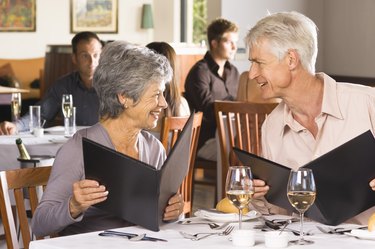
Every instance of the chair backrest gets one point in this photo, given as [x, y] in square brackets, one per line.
[25, 180]
[242, 129]
[171, 129]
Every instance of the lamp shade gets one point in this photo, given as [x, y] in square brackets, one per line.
[147, 20]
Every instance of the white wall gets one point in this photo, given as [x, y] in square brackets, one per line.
[349, 37]
[250, 11]
[346, 35]
[53, 27]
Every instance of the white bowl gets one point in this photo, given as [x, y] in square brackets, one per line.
[243, 237]
[275, 239]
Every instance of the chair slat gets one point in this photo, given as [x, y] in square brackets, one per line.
[243, 131]
[20, 180]
[171, 129]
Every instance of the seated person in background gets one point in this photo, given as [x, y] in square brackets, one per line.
[213, 78]
[130, 82]
[249, 91]
[86, 52]
[177, 104]
[316, 114]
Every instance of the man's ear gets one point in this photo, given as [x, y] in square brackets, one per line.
[214, 44]
[74, 59]
[292, 59]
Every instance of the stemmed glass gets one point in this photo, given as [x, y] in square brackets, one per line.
[16, 106]
[239, 188]
[67, 109]
[301, 195]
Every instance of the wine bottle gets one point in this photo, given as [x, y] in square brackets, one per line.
[22, 149]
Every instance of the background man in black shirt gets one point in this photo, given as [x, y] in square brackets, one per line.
[86, 53]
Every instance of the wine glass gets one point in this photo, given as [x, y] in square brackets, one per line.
[16, 106]
[239, 188]
[301, 195]
[67, 108]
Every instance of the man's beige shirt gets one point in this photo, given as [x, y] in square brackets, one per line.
[348, 110]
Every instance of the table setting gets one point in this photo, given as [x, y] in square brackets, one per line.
[232, 224]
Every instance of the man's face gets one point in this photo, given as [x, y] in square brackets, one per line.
[227, 46]
[87, 57]
[271, 72]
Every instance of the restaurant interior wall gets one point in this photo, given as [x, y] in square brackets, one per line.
[346, 38]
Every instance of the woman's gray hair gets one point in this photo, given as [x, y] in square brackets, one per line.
[285, 31]
[127, 69]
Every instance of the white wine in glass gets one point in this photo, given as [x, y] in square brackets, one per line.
[239, 188]
[301, 195]
[16, 106]
[67, 108]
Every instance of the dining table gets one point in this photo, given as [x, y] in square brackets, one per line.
[43, 147]
[171, 232]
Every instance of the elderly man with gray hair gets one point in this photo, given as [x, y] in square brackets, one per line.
[316, 114]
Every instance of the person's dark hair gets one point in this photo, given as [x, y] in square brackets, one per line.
[128, 70]
[86, 36]
[172, 90]
[218, 28]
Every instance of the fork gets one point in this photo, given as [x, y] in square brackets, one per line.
[211, 225]
[196, 237]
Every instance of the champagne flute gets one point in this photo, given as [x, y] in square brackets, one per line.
[301, 193]
[16, 106]
[67, 108]
[239, 188]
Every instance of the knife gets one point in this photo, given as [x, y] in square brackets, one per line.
[129, 235]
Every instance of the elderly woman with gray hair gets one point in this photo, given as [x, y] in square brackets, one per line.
[129, 81]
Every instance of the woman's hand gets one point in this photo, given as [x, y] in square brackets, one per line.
[85, 194]
[260, 188]
[372, 184]
[174, 208]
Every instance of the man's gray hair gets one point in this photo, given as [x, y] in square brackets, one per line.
[285, 31]
[127, 69]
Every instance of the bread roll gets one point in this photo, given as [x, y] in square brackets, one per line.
[371, 223]
[227, 207]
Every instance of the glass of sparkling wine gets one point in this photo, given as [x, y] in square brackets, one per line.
[239, 188]
[301, 195]
[16, 106]
[67, 108]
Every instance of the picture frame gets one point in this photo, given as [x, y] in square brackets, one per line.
[18, 16]
[95, 16]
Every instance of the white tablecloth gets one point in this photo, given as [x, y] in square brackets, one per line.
[48, 145]
[175, 240]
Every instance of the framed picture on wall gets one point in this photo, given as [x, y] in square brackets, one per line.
[94, 15]
[18, 16]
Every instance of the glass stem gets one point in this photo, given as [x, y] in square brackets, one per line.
[240, 218]
[301, 230]
[66, 126]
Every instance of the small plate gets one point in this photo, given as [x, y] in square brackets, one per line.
[214, 216]
[362, 234]
[35, 158]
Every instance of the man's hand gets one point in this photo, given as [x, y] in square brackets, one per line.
[260, 188]
[85, 194]
[174, 208]
[8, 128]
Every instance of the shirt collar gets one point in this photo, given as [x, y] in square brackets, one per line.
[214, 67]
[330, 105]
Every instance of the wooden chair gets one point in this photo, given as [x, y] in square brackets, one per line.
[20, 180]
[171, 129]
[239, 124]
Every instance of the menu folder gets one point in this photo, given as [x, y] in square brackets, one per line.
[341, 176]
[138, 192]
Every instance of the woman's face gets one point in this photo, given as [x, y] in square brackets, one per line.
[145, 113]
